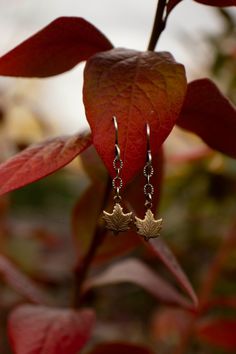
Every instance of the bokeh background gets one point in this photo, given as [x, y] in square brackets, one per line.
[198, 198]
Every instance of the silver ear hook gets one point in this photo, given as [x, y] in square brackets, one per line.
[116, 128]
[117, 149]
[149, 153]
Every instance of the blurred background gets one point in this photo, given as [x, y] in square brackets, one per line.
[199, 190]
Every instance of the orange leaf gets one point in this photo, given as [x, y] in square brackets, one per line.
[136, 87]
[40, 160]
[38, 329]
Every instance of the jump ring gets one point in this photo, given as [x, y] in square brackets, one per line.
[117, 183]
[117, 198]
[148, 189]
[148, 170]
[117, 164]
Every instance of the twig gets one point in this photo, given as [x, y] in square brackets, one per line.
[159, 24]
[82, 268]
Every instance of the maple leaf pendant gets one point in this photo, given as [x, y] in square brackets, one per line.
[148, 227]
[117, 221]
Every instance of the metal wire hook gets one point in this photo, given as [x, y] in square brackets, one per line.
[117, 149]
[149, 153]
[116, 129]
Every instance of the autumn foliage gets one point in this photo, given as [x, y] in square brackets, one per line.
[137, 87]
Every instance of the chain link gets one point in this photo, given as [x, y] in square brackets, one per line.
[117, 180]
[148, 187]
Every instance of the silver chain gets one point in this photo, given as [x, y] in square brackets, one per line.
[117, 164]
[148, 173]
[148, 187]
[117, 181]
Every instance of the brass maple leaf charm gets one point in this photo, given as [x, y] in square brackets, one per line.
[148, 227]
[117, 221]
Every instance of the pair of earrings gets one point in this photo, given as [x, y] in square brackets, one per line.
[118, 221]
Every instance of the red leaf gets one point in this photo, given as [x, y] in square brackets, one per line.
[118, 348]
[93, 165]
[113, 246]
[84, 224]
[219, 3]
[162, 251]
[136, 87]
[55, 49]
[20, 282]
[171, 4]
[38, 329]
[40, 160]
[218, 332]
[210, 115]
[134, 271]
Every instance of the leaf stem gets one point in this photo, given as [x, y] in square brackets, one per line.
[82, 268]
[159, 24]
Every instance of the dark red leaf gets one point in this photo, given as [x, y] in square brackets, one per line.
[113, 246]
[218, 332]
[84, 223]
[207, 113]
[93, 165]
[20, 282]
[134, 271]
[55, 49]
[38, 329]
[162, 251]
[119, 348]
[219, 3]
[40, 160]
[136, 87]
[171, 4]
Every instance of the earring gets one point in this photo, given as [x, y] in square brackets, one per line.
[117, 221]
[148, 227]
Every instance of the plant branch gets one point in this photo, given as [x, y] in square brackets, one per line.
[82, 268]
[159, 24]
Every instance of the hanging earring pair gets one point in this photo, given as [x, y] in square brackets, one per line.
[118, 221]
